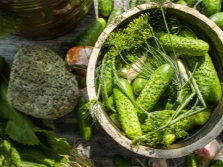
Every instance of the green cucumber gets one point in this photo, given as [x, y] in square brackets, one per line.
[115, 13]
[183, 45]
[210, 7]
[205, 75]
[84, 120]
[218, 19]
[190, 160]
[126, 110]
[154, 88]
[120, 161]
[182, 2]
[91, 34]
[115, 119]
[202, 117]
[216, 163]
[109, 103]
[105, 7]
[138, 84]
[187, 33]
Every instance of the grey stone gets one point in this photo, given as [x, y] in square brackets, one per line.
[40, 85]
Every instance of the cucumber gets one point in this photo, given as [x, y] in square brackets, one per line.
[202, 117]
[187, 33]
[115, 13]
[109, 103]
[183, 45]
[210, 7]
[115, 119]
[206, 76]
[216, 163]
[91, 34]
[82, 82]
[154, 88]
[191, 160]
[138, 84]
[84, 120]
[126, 110]
[182, 2]
[120, 161]
[218, 19]
[105, 7]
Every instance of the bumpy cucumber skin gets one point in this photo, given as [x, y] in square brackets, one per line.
[154, 88]
[218, 19]
[127, 112]
[115, 13]
[210, 7]
[206, 77]
[105, 7]
[91, 34]
[183, 45]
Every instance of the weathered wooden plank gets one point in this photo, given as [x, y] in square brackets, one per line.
[101, 148]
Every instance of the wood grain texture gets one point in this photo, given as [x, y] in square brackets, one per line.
[101, 148]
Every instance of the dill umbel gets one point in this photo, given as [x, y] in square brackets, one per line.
[8, 24]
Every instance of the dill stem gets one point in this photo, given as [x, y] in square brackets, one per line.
[103, 86]
[197, 89]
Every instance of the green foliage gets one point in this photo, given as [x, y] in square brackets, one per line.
[131, 37]
[22, 143]
[9, 155]
[16, 124]
[8, 25]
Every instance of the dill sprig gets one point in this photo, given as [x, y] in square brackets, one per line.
[131, 37]
[9, 24]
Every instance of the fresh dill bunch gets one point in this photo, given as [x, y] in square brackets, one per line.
[155, 135]
[131, 37]
[8, 24]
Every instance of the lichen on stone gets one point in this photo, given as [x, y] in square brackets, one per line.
[40, 85]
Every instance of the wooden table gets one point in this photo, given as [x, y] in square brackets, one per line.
[101, 148]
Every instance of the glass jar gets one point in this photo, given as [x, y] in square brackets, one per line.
[46, 19]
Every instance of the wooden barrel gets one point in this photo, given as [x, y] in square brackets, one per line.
[43, 19]
[206, 29]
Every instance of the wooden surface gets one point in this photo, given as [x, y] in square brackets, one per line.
[101, 148]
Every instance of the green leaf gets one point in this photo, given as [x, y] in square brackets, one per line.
[17, 125]
[51, 151]
[9, 155]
